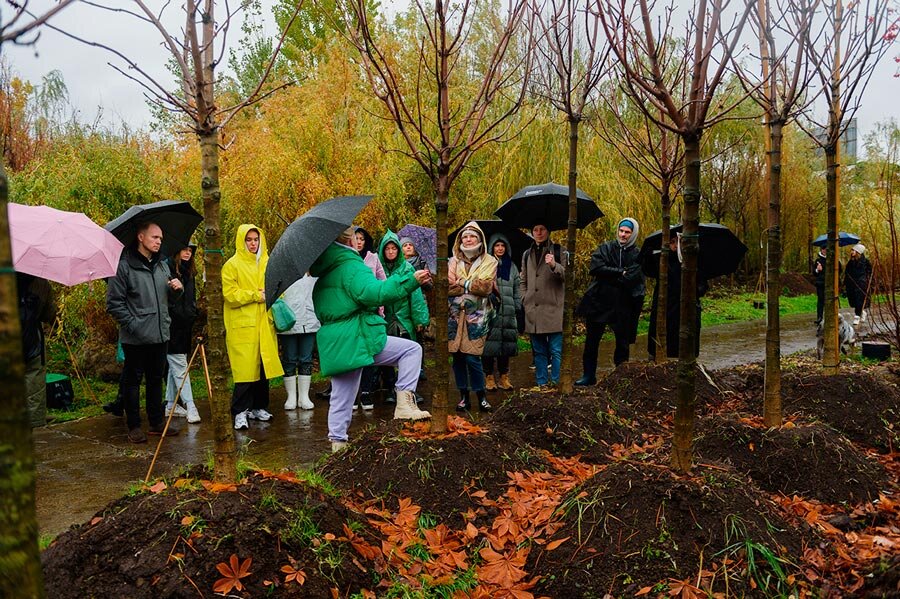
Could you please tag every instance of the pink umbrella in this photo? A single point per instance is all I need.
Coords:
(66, 247)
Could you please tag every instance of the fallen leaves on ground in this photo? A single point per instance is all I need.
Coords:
(232, 572)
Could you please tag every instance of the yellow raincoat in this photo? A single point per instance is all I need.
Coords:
(249, 332)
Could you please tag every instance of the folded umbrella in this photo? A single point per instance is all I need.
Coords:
(177, 219)
(721, 251)
(548, 205)
(305, 239)
(844, 239)
(60, 246)
(425, 240)
(518, 240)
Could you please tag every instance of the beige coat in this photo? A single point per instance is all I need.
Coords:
(470, 310)
(542, 290)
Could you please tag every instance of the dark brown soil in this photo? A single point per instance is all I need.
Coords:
(437, 474)
(582, 423)
(812, 461)
(138, 548)
(883, 581)
(635, 525)
(794, 284)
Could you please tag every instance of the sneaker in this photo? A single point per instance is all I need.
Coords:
(390, 398)
(366, 401)
(136, 435)
(865, 315)
(193, 416)
(240, 421)
(260, 414)
(157, 430)
(419, 398)
(532, 366)
(355, 405)
(179, 411)
(855, 320)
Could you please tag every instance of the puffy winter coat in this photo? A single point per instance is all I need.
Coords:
(616, 293)
(471, 283)
(138, 298)
(503, 338)
(299, 299)
(411, 311)
(857, 282)
(182, 309)
(249, 331)
(542, 289)
(346, 298)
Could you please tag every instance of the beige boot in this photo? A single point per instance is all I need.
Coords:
(336, 446)
(489, 383)
(504, 382)
(406, 407)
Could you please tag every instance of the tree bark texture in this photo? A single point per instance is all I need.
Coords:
(20, 561)
(687, 361)
(772, 415)
(663, 281)
(566, 376)
(440, 405)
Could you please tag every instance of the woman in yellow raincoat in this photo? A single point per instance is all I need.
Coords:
(249, 332)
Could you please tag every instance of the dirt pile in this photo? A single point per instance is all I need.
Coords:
(795, 283)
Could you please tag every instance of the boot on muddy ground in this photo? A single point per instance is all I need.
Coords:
(406, 407)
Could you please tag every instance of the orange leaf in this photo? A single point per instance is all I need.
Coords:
(502, 570)
(159, 487)
(187, 520)
(218, 487)
(643, 591)
(96, 520)
(232, 573)
(555, 544)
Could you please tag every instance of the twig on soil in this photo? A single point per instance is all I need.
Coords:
(193, 584)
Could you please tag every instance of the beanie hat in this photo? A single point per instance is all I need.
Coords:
(859, 248)
(405, 240)
(635, 229)
(626, 222)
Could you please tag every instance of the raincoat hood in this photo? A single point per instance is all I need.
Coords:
(390, 237)
(494, 239)
(240, 249)
(457, 251)
(504, 263)
(635, 229)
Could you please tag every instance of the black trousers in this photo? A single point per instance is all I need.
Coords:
(820, 302)
(592, 346)
(147, 362)
(487, 363)
(251, 396)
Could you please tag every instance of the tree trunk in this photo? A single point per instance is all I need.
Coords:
(20, 561)
(440, 405)
(225, 468)
(662, 282)
(772, 402)
(687, 361)
(566, 377)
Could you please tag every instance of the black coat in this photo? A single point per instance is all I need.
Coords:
(36, 306)
(673, 310)
(857, 282)
(616, 294)
(819, 275)
(183, 311)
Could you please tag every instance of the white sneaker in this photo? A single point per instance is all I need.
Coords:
(355, 405)
(193, 416)
(260, 414)
(337, 446)
(179, 411)
(855, 320)
(240, 421)
(865, 315)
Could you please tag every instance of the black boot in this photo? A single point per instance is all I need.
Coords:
(114, 407)
(585, 381)
(483, 405)
(326, 394)
(463, 404)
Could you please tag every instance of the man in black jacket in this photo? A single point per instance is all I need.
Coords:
(137, 298)
(614, 297)
(819, 278)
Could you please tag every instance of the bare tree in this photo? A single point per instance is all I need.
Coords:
(20, 560)
(570, 63)
(855, 37)
(195, 52)
(441, 122)
(638, 44)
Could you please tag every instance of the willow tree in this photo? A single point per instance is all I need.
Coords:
(843, 56)
(637, 37)
(458, 99)
(570, 62)
(193, 53)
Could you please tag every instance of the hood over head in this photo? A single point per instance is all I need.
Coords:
(635, 230)
(241, 250)
(390, 237)
(457, 243)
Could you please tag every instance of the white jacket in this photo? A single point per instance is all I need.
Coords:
(298, 297)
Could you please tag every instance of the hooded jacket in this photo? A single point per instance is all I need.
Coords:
(504, 335)
(249, 332)
(412, 311)
(182, 308)
(471, 282)
(138, 298)
(346, 298)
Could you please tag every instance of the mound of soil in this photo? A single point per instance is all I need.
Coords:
(812, 461)
(794, 284)
(636, 525)
(437, 474)
(883, 582)
(581, 423)
(643, 389)
(168, 544)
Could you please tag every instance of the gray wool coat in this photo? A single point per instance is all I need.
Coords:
(502, 340)
(542, 289)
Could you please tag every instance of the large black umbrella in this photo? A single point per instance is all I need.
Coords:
(177, 219)
(548, 205)
(305, 239)
(721, 251)
(518, 240)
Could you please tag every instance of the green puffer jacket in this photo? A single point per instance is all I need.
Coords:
(410, 311)
(346, 299)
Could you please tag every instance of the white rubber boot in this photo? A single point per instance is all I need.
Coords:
(290, 384)
(407, 409)
(303, 383)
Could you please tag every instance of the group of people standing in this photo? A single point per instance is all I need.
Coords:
(856, 283)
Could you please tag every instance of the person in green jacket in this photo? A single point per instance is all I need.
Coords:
(353, 335)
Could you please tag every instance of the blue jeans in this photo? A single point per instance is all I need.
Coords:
(297, 353)
(547, 347)
(468, 372)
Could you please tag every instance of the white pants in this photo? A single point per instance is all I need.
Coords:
(177, 372)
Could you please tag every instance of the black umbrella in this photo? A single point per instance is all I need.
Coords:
(305, 239)
(548, 205)
(721, 251)
(518, 240)
(177, 219)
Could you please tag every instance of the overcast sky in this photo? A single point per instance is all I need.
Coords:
(95, 88)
